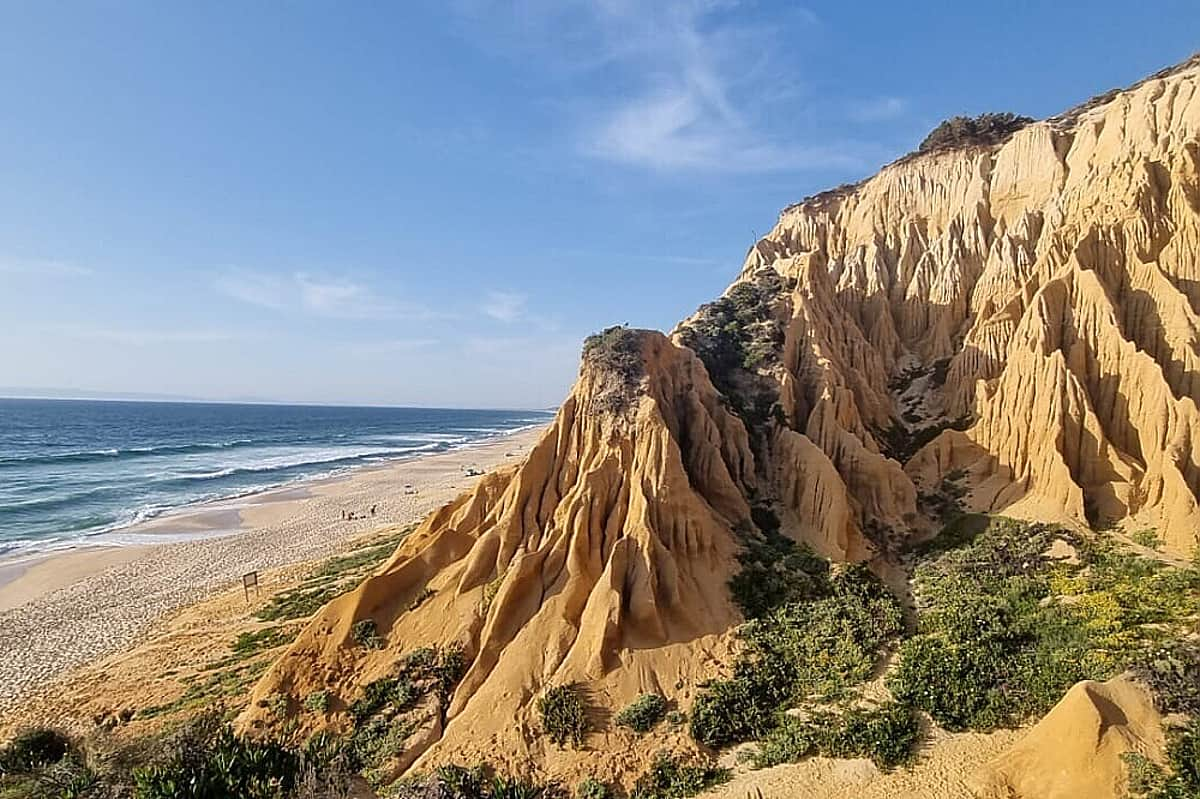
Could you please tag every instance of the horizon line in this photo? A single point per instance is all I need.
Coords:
(268, 402)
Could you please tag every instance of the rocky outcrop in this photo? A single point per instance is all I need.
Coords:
(1076, 749)
(602, 559)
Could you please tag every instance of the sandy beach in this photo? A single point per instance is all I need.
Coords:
(61, 611)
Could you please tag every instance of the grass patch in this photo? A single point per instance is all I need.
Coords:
(204, 690)
(329, 580)
(251, 644)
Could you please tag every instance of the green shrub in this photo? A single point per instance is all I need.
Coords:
(728, 711)
(593, 789)
(380, 739)
(1147, 538)
(1180, 779)
(420, 598)
(670, 778)
(1004, 630)
(887, 734)
(739, 337)
(775, 571)
(33, 748)
(643, 713)
(458, 782)
(1172, 672)
(397, 692)
(317, 702)
(564, 716)
(448, 669)
(278, 704)
(817, 648)
(985, 129)
(222, 766)
(791, 741)
(365, 634)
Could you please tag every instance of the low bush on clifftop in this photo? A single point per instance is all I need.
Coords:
(616, 354)
(985, 129)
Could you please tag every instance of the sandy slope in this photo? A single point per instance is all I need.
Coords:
(943, 770)
(60, 626)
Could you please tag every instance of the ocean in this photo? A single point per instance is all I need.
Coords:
(73, 470)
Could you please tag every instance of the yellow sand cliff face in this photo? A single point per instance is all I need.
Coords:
(1022, 318)
(602, 559)
(1058, 274)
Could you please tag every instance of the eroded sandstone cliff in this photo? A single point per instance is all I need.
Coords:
(602, 559)
(1035, 304)
(1002, 326)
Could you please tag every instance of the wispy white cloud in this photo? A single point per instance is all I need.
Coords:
(344, 299)
(316, 295)
(690, 82)
(504, 306)
(387, 347)
(520, 346)
(266, 291)
(143, 336)
(42, 268)
(878, 109)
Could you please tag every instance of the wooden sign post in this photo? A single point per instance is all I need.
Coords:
(250, 579)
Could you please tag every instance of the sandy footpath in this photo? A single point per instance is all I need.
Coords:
(64, 611)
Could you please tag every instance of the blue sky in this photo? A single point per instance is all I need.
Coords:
(432, 203)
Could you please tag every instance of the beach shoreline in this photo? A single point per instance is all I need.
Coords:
(67, 608)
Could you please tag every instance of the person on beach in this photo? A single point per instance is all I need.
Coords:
(372, 510)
